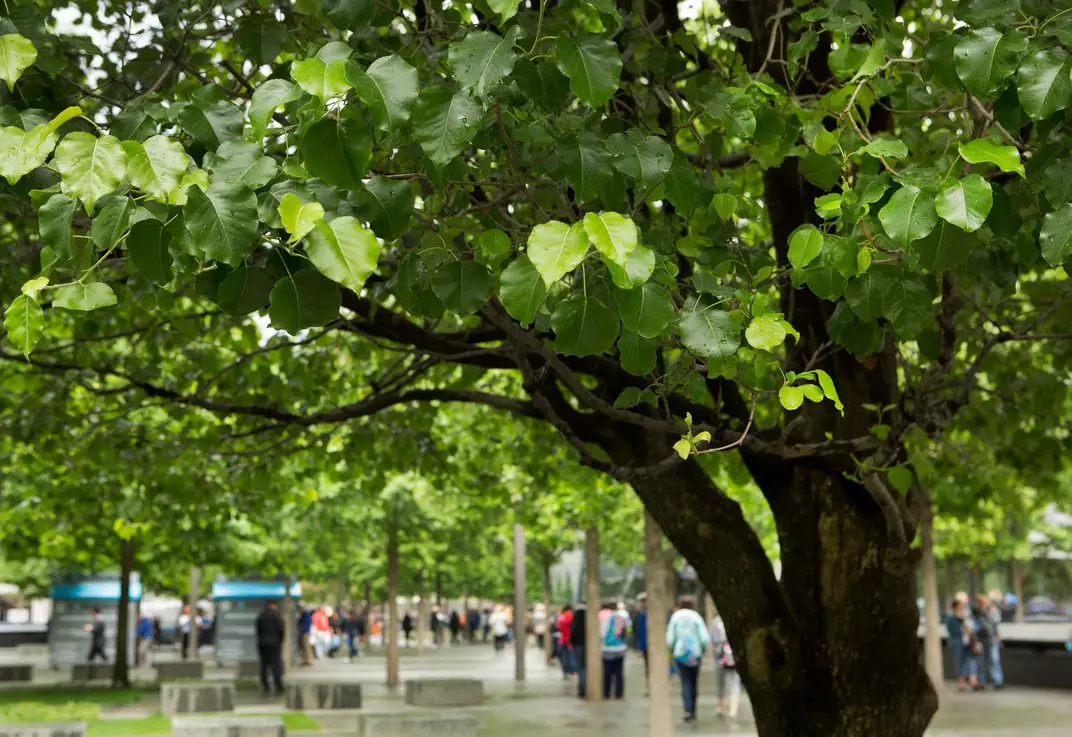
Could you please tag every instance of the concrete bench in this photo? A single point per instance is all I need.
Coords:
(249, 669)
(91, 672)
(416, 725)
(31, 650)
(323, 696)
(57, 729)
(228, 727)
(444, 692)
(182, 697)
(16, 672)
(180, 670)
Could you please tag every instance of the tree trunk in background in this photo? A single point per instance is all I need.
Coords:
(975, 580)
(520, 603)
(932, 639)
(548, 639)
(121, 668)
(709, 608)
(289, 644)
(593, 659)
(657, 586)
(391, 630)
(1018, 589)
(439, 590)
(340, 592)
(195, 596)
(422, 614)
(950, 584)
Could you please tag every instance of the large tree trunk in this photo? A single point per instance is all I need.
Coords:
(391, 630)
(121, 668)
(593, 659)
(657, 586)
(520, 605)
(289, 645)
(932, 639)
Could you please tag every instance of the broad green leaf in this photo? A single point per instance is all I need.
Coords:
(84, 297)
(338, 151)
(299, 217)
(91, 167)
(178, 196)
(35, 285)
(494, 244)
(463, 286)
(556, 249)
(266, 99)
(1057, 181)
(25, 322)
(324, 79)
(965, 202)
(305, 299)
(791, 397)
(805, 245)
(644, 159)
(147, 245)
(829, 390)
(1055, 239)
(631, 396)
(708, 331)
(222, 221)
(241, 161)
(54, 223)
(907, 305)
(23, 151)
(732, 108)
(387, 205)
(505, 8)
(866, 294)
(522, 290)
(593, 65)
(647, 311)
(17, 53)
(947, 247)
(583, 326)
(767, 332)
(613, 235)
(725, 205)
(900, 478)
(211, 124)
(981, 150)
(638, 268)
(156, 166)
(389, 88)
(638, 355)
(886, 148)
(482, 59)
(65, 115)
(874, 60)
(1044, 84)
(246, 289)
(822, 171)
(683, 448)
(683, 188)
(343, 251)
(445, 122)
(587, 163)
(111, 222)
(909, 215)
(985, 59)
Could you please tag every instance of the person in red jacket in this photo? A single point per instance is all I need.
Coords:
(565, 654)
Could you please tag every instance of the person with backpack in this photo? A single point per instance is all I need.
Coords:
(687, 638)
(613, 644)
(728, 663)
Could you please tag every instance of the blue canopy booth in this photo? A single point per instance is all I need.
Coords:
(237, 605)
(73, 600)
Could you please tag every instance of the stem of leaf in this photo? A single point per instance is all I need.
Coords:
(539, 26)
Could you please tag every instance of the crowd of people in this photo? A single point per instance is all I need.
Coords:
(974, 640)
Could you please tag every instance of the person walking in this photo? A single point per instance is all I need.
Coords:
(578, 656)
(564, 625)
(539, 626)
(185, 627)
(613, 645)
(487, 622)
(963, 644)
(688, 640)
(305, 637)
(354, 633)
(499, 624)
(96, 637)
(407, 627)
(718, 639)
(144, 634)
(455, 626)
(640, 632)
(985, 618)
(733, 680)
(321, 634)
(270, 635)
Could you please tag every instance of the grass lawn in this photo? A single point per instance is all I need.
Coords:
(71, 695)
(154, 725)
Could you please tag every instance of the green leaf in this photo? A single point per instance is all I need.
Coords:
(707, 331)
(638, 355)
(505, 8)
(583, 326)
(222, 221)
(829, 390)
(909, 215)
(111, 222)
(84, 297)
(268, 98)
(791, 397)
(445, 122)
(587, 163)
(907, 305)
(947, 247)
(886, 148)
(822, 171)
(303, 300)
(644, 159)
(212, 124)
(805, 245)
(522, 290)
(638, 268)
(593, 65)
(25, 322)
(1055, 239)
(338, 151)
(91, 167)
(647, 311)
(156, 166)
(241, 161)
(389, 88)
(343, 251)
(981, 150)
(463, 286)
(725, 205)
(17, 54)
(387, 205)
(731, 107)
(246, 289)
(683, 188)
(299, 217)
(1057, 181)
(613, 235)
(985, 59)
(683, 448)
(23, 151)
(557, 249)
(325, 79)
(483, 59)
(631, 396)
(900, 478)
(147, 246)
(767, 332)
(965, 202)
(874, 60)
(867, 293)
(494, 244)
(1044, 84)
(54, 223)
(813, 392)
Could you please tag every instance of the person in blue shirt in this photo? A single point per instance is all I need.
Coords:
(305, 628)
(640, 631)
(144, 634)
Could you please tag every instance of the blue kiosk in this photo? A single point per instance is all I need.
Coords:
(73, 600)
(237, 605)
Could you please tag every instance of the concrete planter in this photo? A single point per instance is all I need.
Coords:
(444, 692)
(64, 729)
(91, 672)
(228, 727)
(180, 670)
(249, 669)
(413, 725)
(16, 673)
(323, 696)
(191, 698)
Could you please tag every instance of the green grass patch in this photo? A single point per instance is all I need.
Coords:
(41, 711)
(72, 695)
(154, 725)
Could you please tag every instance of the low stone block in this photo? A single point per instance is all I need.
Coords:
(249, 669)
(416, 725)
(190, 698)
(91, 672)
(323, 696)
(180, 670)
(58, 729)
(31, 650)
(18, 672)
(444, 692)
(228, 727)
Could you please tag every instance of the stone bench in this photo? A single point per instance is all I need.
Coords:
(182, 697)
(323, 696)
(444, 692)
(249, 669)
(416, 725)
(180, 670)
(57, 729)
(228, 727)
(91, 672)
(16, 672)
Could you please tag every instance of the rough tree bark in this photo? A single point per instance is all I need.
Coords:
(593, 660)
(657, 585)
(121, 668)
(520, 605)
(932, 638)
(391, 630)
